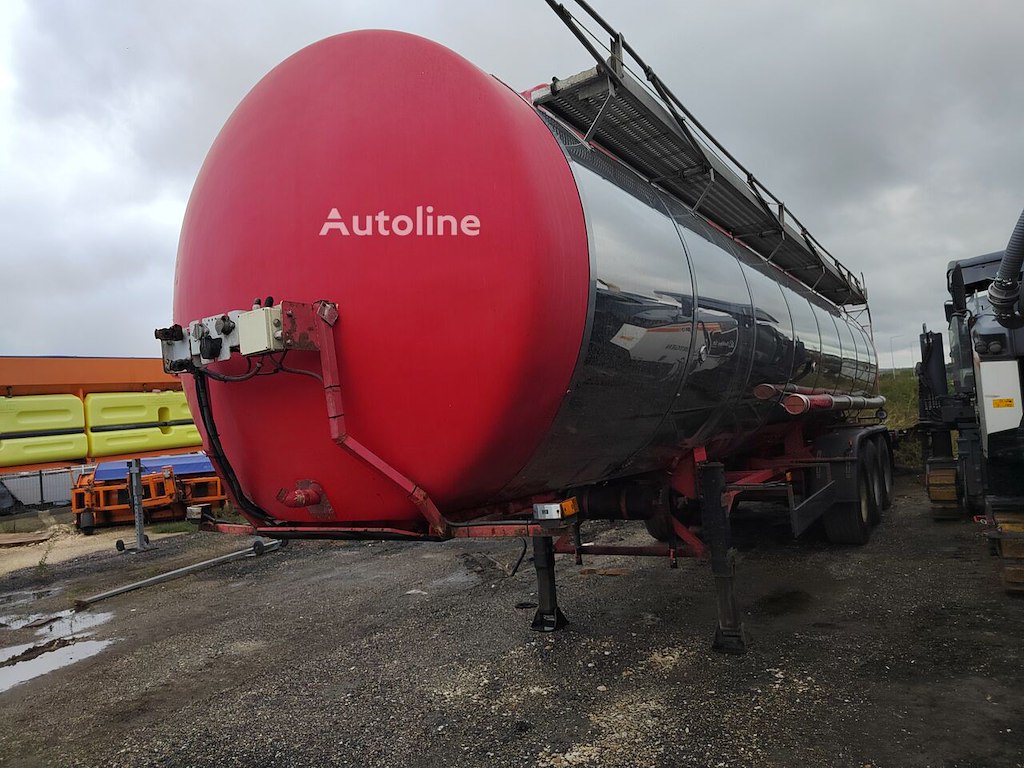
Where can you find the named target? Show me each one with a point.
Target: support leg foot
(548, 622)
(731, 641)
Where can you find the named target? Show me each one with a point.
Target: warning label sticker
(1002, 402)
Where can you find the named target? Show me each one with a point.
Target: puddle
(17, 622)
(63, 644)
(60, 624)
(67, 623)
(23, 671)
(14, 650)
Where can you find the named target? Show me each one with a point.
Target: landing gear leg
(729, 636)
(549, 617)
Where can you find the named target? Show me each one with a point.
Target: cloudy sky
(893, 128)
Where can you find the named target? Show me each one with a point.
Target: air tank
(519, 312)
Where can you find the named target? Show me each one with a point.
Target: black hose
(249, 373)
(1004, 292)
(300, 371)
(217, 456)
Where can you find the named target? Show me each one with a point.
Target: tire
(870, 463)
(87, 523)
(885, 467)
(660, 528)
(848, 522)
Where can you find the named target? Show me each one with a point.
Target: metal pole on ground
(135, 497)
(258, 548)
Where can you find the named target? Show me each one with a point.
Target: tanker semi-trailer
(494, 314)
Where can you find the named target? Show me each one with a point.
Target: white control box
(213, 328)
(259, 331)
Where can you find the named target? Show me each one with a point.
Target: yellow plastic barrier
(17, 451)
(41, 428)
(114, 409)
(40, 413)
(146, 439)
(138, 422)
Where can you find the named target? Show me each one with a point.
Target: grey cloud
(891, 129)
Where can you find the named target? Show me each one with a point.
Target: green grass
(229, 514)
(900, 397)
(174, 526)
(901, 404)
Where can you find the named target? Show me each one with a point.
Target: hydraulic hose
(1004, 292)
(217, 456)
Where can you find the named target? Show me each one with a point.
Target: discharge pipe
(771, 391)
(1004, 292)
(797, 404)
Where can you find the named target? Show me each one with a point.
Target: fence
(46, 487)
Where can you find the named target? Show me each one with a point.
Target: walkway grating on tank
(615, 111)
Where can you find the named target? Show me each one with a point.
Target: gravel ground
(902, 653)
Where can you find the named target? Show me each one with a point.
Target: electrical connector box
(259, 331)
(556, 511)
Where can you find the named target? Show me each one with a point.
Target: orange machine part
(165, 497)
(82, 375)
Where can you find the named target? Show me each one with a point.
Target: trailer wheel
(660, 528)
(87, 523)
(885, 467)
(849, 522)
(871, 464)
